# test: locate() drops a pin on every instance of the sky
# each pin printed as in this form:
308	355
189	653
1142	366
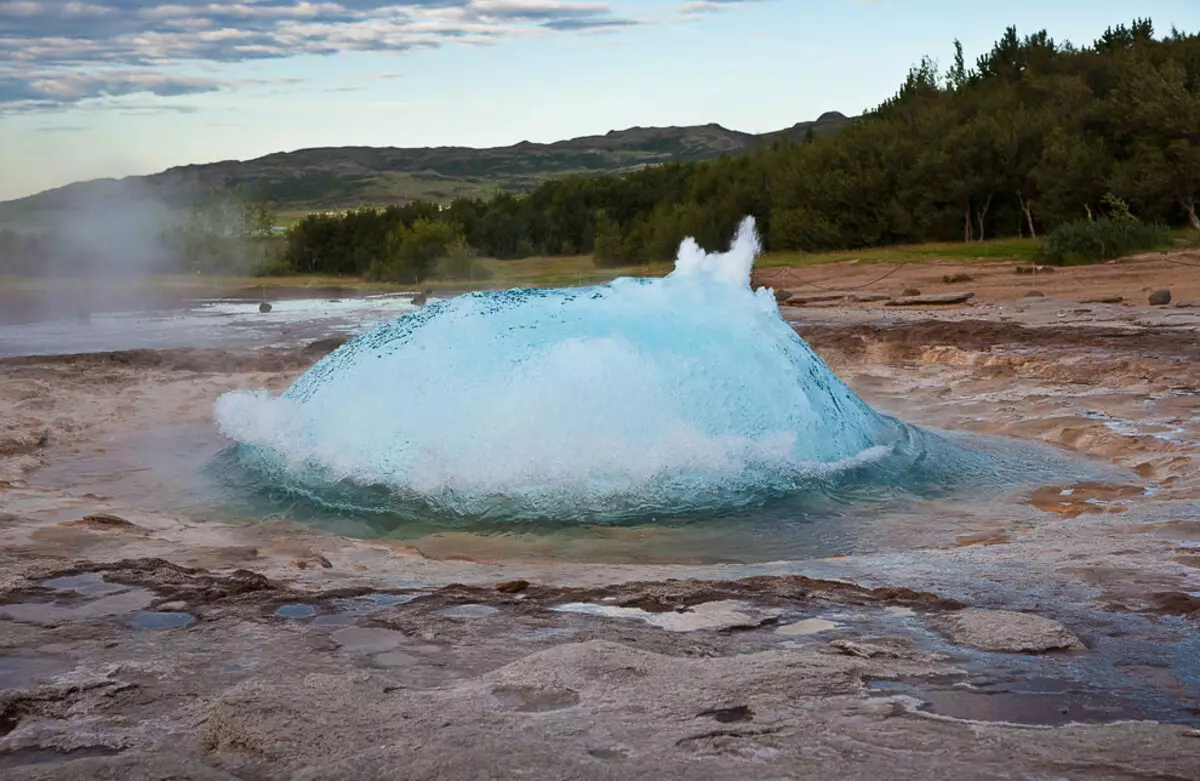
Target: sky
110	88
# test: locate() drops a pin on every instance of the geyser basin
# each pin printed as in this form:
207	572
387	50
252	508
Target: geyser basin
632	401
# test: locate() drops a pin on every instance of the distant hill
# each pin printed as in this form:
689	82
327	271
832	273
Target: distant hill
339	177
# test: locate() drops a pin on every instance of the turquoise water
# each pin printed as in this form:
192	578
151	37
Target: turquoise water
676	400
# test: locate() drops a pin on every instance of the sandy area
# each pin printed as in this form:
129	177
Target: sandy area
1051	634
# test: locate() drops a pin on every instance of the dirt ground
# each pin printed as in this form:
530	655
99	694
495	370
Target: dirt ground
1133	279
1048	634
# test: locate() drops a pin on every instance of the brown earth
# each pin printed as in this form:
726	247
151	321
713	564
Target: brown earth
1133	279
460	656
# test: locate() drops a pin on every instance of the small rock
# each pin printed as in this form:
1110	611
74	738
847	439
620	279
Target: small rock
1009	631
782	295
911	291
314	560
885	649
264	307
104	522
809	299
935	299
729	715
809	626
951	279
512	586
1160	297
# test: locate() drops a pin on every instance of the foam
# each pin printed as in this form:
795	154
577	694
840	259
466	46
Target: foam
634	397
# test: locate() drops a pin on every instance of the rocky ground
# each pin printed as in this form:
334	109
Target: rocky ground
1048	635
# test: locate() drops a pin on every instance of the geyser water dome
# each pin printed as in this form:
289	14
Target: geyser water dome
636	399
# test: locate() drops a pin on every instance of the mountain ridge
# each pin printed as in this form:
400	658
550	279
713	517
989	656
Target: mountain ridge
348	176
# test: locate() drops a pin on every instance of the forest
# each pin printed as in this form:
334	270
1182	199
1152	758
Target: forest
1097	147
1037	135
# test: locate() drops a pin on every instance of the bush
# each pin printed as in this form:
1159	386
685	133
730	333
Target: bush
412	253
611	249
460	263
1093	241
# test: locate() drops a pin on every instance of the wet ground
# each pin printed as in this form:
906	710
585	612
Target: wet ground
203	323
1046	631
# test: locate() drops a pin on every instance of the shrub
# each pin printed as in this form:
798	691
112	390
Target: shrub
412	253
1093	241
461	263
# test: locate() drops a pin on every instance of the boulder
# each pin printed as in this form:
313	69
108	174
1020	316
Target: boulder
1160	297
911	291
933	299
951	279
264	307
1034	294
782	295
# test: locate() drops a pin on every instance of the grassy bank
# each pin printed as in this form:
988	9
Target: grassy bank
551	271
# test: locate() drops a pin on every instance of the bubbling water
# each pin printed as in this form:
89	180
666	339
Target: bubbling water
634	399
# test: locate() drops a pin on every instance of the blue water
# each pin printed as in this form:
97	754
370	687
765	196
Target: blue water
681	397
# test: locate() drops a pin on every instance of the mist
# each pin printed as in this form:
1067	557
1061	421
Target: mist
125	245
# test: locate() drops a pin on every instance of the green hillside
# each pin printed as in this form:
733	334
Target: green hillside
339	177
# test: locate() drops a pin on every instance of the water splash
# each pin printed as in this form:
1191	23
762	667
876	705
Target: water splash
633	399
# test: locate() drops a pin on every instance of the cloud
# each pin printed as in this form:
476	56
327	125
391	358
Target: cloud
55	53
696	7
61	129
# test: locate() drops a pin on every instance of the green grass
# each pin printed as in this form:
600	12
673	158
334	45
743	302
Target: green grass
573	270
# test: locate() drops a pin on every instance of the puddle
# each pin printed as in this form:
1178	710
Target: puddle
719	615
213	323
295	610
369	603
80	598
21	671
468	611
89	584
349	609
1037	701
162	620
23	757
367	640
117	604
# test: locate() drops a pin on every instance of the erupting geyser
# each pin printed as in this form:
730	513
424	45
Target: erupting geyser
638	398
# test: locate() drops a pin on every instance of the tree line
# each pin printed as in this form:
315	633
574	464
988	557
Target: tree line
1035	135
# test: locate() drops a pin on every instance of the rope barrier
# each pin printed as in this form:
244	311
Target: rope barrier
790	272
